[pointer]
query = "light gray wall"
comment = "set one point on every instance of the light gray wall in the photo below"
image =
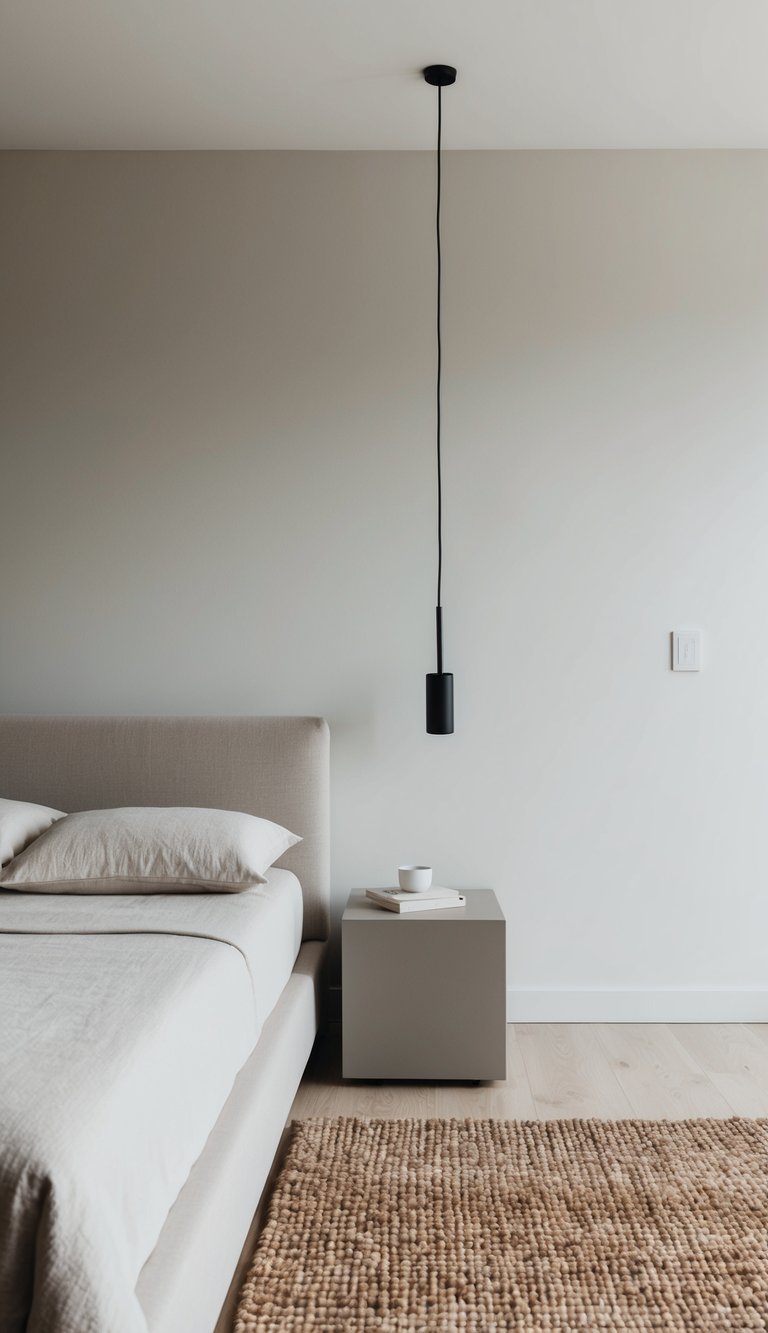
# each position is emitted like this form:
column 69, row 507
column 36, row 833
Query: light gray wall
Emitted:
column 217, row 478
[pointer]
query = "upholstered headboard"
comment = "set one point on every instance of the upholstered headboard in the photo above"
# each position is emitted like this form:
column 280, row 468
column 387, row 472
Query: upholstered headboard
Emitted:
column 276, row 767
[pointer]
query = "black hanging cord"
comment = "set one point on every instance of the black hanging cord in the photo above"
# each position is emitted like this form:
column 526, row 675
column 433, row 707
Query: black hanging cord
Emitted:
column 439, row 683
column 438, row 608
column 439, row 348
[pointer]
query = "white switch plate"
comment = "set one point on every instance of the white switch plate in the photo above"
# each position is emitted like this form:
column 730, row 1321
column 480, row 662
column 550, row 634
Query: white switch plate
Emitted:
column 686, row 650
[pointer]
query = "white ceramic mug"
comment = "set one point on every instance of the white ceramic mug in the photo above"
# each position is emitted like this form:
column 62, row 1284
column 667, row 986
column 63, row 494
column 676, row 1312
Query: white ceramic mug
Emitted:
column 414, row 879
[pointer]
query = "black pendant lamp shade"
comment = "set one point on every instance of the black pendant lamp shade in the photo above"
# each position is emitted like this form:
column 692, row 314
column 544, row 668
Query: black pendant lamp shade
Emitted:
column 439, row 683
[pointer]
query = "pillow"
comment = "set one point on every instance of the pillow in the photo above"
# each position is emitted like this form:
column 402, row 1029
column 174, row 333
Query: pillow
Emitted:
column 149, row 850
column 20, row 822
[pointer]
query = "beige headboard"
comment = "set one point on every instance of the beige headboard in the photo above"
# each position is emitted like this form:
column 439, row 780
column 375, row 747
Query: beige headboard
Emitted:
column 276, row 767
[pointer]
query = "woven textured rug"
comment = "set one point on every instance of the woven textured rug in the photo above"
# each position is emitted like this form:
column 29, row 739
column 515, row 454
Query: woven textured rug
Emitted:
column 484, row 1226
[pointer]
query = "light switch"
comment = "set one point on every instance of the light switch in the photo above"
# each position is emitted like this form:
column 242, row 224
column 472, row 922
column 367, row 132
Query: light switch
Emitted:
column 686, row 650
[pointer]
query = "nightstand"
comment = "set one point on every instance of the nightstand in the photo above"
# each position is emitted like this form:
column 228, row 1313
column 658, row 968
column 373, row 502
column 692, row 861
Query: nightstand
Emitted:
column 424, row 994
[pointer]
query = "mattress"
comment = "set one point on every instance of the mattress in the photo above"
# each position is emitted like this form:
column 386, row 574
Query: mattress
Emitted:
column 125, row 1023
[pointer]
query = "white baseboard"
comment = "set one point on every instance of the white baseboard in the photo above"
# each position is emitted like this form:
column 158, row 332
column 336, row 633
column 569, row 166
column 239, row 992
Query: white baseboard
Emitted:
column 646, row 1005
column 642, row 1005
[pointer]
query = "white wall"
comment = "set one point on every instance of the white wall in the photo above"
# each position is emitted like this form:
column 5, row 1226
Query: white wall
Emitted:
column 217, row 478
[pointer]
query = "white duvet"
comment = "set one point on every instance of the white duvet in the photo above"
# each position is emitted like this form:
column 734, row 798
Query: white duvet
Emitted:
column 123, row 1024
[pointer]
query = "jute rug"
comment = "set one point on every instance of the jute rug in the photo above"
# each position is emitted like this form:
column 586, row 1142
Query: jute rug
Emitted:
column 479, row 1226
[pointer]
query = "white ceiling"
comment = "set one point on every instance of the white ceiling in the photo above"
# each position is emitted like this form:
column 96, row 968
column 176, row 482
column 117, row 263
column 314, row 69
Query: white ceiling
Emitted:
column 344, row 73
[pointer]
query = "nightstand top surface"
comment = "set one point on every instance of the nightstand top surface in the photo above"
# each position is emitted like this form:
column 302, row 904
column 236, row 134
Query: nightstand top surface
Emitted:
column 482, row 905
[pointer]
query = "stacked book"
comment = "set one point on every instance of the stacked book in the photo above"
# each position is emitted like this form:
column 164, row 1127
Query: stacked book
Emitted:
column 432, row 900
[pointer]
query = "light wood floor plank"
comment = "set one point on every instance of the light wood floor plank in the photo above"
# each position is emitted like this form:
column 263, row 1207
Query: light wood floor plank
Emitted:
column 660, row 1078
column 569, row 1074
column 651, row 1071
column 734, row 1058
column 511, row 1100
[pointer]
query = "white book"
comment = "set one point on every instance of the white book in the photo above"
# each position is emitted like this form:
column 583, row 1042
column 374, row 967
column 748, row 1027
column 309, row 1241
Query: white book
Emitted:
column 432, row 900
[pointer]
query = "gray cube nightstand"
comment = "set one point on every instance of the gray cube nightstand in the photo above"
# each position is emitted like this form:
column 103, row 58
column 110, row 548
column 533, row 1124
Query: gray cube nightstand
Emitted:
column 424, row 994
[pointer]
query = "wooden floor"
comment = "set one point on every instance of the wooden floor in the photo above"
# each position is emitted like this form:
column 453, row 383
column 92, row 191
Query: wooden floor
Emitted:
column 557, row 1070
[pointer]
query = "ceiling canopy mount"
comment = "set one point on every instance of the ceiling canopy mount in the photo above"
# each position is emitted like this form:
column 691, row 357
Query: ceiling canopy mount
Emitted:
column 440, row 76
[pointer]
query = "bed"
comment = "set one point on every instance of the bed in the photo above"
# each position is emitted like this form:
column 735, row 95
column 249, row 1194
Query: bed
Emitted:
column 151, row 1047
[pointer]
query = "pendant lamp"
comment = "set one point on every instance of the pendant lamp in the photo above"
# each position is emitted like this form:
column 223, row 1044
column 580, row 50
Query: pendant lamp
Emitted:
column 439, row 683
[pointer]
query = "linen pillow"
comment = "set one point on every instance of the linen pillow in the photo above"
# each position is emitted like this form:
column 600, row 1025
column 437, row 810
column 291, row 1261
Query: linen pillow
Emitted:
column 141, row 849
column 20, row 822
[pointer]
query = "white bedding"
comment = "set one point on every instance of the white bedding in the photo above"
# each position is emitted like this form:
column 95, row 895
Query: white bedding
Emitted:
column 124, row 1024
